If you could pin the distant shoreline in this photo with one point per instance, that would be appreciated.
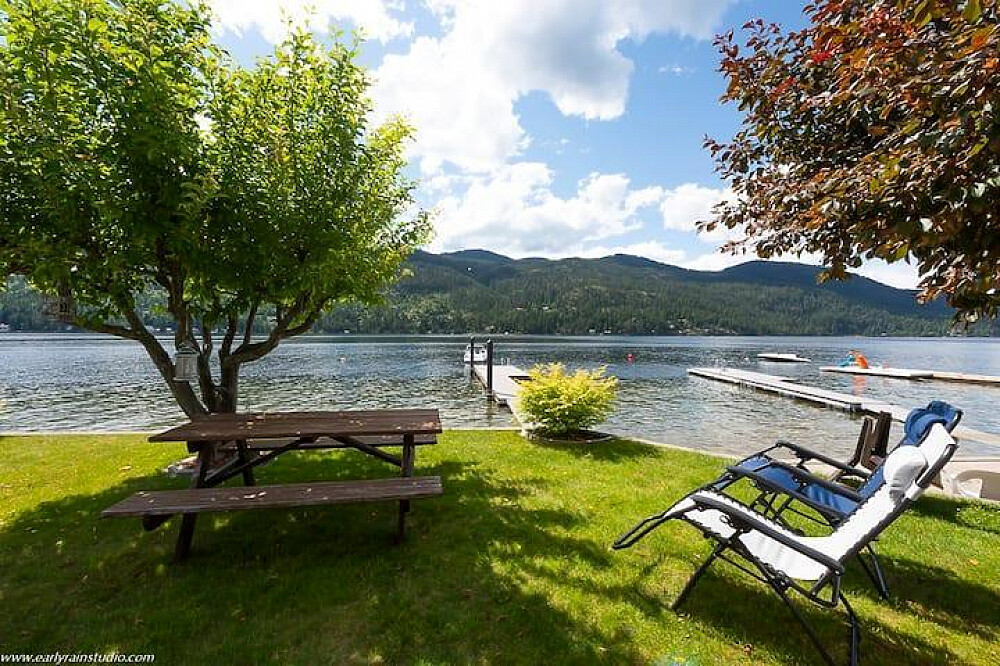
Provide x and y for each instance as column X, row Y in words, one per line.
column 522, row 336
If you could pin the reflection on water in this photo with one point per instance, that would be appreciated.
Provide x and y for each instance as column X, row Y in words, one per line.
column 83, row 382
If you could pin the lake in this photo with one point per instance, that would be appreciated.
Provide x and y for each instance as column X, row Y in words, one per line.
column 84, row 382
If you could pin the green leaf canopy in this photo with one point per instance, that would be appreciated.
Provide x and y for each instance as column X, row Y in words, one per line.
column 137, row 156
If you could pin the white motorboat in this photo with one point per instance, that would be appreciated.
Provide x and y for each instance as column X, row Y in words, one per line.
column 477, row 355
column 784, row 358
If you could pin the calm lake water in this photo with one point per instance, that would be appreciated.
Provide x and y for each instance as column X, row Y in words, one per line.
column 63, row 382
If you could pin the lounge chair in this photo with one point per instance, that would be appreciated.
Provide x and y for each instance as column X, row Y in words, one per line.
column 785, row 560
column 869, row 453
column 783, row 487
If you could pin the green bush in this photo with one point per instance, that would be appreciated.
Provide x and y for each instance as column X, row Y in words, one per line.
column 558, row 403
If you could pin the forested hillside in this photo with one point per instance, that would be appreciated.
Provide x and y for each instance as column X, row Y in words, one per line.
column 474, row 290
column 478, row 291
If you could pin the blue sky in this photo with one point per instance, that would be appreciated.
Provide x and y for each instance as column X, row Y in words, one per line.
column 549, row 127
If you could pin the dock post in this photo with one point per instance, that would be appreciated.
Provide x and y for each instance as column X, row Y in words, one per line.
column 489, row 368
column 472, row 356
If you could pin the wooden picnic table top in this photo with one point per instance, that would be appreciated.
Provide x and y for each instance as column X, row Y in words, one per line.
column 222, row 427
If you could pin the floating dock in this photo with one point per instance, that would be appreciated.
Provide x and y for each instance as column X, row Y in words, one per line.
column 897, row 373
column 909, row 373
column 787, row 387
column 780, row 385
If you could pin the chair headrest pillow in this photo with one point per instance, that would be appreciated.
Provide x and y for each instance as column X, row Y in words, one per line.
column 901, row 470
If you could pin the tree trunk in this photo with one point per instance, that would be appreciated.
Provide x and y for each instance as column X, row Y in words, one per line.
column 229, row 389
column 187, row 399
column 183, row 392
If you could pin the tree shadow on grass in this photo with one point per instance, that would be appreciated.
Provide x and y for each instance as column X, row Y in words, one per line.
column 941, row 508
column 936, row 594
column 318, row 585
column 753, row 615
column 970, row 513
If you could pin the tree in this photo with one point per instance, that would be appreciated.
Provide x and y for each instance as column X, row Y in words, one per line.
column 137, row 158
column 872, row 133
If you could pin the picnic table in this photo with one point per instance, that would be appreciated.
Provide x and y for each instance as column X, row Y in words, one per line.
column 253, row 439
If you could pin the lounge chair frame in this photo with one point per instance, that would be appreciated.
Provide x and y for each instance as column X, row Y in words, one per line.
column 775, row 499
column 826, row 591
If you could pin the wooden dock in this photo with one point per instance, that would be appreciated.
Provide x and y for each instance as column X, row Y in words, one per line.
column 506, row 386
column 506, row 380
column 787, row 387
column 909, row 373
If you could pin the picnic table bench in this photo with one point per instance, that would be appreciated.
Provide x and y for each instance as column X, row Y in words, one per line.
column 255, row 439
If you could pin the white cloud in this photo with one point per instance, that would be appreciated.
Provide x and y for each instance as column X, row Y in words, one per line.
column 459, row 89
column 650, row 249
column 715, row 261
column 514, row 211
column 373, row 17
column 900, row 274
column 676, row 70
column 463, row 112
column 685, row 205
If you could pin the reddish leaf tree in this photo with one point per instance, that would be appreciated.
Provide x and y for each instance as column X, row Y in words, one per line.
column 872, row 133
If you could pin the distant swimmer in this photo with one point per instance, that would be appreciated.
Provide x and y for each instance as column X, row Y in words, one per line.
column 630, row 357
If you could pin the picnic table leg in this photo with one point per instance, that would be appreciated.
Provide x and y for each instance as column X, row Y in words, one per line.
column 205, row 454
column 406, row 470
column 244, row 456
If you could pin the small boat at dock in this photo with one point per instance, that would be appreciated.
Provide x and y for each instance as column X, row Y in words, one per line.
column 783, row 358
column 474, row 355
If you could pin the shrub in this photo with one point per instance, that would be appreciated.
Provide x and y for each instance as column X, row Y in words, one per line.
column 559, row 403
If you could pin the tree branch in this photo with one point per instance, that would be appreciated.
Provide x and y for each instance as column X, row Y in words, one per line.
column 105, row 327
column 253, row 351
column 181, row 391
column 248, row 327
column 232, row 323
column 205, row 383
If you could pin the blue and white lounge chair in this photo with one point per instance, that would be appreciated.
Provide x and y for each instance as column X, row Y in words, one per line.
column 766, row 466
column 783, row 486
column 785, row 560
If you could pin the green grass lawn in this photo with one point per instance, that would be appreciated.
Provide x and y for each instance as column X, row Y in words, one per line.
column 512, row 566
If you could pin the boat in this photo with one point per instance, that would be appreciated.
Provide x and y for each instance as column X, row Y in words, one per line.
column 784, row 358
column 477, row 355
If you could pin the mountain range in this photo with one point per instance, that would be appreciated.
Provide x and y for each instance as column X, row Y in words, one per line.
column 480, row 291
column 476, row 291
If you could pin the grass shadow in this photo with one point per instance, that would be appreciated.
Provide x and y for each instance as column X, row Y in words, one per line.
column 318, row 585
column 977, row 515
column 936, row 594
column 729, row 601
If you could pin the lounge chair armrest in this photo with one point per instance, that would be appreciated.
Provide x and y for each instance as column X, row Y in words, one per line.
column 861, row 474
column 767, row 485
column 743, row 518
column 804, row 453
column 801, row 475
column 808, row 477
